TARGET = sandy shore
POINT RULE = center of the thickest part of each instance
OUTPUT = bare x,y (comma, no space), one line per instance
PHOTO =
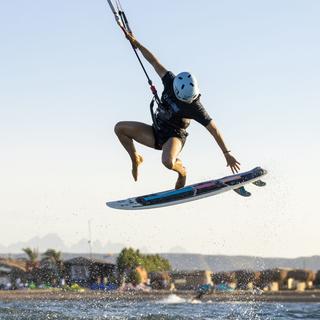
57,294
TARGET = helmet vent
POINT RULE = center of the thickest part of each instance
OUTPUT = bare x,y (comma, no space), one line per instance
180,78
182,87
191,84
189,75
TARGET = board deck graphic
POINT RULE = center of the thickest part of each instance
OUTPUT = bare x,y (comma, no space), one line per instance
193,192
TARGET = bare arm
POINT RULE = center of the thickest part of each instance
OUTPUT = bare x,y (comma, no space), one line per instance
158,67
212,128
231,161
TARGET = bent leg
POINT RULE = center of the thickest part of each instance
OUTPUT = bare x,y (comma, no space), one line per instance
171,150
127,131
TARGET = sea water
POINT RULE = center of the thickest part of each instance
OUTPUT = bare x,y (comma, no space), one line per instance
170,308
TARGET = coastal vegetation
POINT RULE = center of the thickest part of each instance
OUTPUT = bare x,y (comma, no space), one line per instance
133,270
46,268
33,256
130,259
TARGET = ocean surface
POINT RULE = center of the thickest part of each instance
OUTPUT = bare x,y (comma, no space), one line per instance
170,308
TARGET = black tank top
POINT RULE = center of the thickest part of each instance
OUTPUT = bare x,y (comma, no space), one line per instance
175,113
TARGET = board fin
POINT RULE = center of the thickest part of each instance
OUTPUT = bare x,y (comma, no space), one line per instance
259,183
242,192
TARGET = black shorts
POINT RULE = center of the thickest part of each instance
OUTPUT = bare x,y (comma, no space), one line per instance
163,134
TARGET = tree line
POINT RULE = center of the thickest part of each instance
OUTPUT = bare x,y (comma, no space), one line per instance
126,264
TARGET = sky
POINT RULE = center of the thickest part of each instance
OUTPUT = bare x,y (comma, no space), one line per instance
67,76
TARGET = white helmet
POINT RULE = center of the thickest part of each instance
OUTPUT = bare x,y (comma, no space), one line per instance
185,87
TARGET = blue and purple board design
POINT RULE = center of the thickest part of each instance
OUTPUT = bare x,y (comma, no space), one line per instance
192,192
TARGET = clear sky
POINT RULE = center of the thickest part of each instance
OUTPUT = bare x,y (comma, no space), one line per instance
67,76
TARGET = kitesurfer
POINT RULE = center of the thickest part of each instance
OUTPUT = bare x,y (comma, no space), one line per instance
180,102
203,290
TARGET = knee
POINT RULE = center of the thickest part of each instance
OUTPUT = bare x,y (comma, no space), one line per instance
118,128
168,162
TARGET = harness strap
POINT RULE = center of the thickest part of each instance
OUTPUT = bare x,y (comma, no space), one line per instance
153,116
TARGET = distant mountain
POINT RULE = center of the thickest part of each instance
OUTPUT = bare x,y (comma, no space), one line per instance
42,243
54,241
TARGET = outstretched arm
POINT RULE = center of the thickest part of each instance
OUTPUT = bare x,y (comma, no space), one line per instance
158,67
231,161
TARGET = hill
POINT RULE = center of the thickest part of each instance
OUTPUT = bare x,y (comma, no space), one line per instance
228,263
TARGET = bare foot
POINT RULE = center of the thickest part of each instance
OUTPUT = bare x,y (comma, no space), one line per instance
182,178
135,164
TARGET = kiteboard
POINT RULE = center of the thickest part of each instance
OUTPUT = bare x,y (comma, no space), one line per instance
193,192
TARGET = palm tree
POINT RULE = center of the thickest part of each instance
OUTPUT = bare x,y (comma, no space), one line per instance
54,258
33,255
